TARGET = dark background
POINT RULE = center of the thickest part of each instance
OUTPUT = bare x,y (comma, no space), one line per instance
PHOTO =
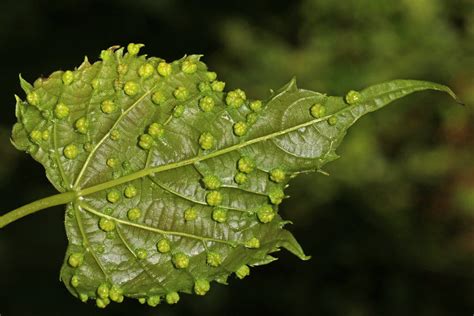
390,231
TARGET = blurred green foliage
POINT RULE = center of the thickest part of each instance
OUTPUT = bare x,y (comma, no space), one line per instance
390,230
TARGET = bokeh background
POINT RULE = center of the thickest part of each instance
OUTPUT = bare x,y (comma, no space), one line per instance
390,230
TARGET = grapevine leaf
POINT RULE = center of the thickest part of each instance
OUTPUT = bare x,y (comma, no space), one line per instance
177,183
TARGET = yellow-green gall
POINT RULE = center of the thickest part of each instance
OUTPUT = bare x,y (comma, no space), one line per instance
145,141
214,259
82,125
75,259
115,135
201,286
178,110
164,69
189,67
130,191
240,128
251,118
146,70
70,151
134,214
211,75
181,93
256,105
153,301
163,246
142,300
265,214
102,302
107,225
103,291
332,120
158,98
206,141
180,260
134,49
116,294
235,98
75,281
214,198
33,98
317,110
252,243
156,130
61,111
142,254
242,272
108,106
277,175
172,298
113,196
68,77
211,182
190,214
219,214
218,86
240,178
204,87
131,88
245,165
45,135
112,163
353,97
83,297
106,55
36,136
276,195
206,104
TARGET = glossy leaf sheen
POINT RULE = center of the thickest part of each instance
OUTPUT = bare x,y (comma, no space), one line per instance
98,151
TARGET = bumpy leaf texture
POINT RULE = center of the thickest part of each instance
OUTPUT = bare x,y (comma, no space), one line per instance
178,182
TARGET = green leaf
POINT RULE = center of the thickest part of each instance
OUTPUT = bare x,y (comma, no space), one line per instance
174,182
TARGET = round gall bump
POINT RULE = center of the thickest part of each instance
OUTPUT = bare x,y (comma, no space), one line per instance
108,106
353,97
204,87
156,130
142,254
235,98
214,259
256,105
332,120
211,76
134,49
240,178
75,281
252,243
116,294
265,214
153,301
102,302
251,118
113,196
145,142
276,195
70,151
122,69
82,125
103,291
158,98
180,260
211,182
206,104
68,77
178,110
201,286
83,297
277,175
33,98
61,111
134,214
181,93
164,69
219,214
189,67
172,298
131,88
130,191
115,135
107,225
112,162
45,135
318,110
242,272
36,136
190,214
240,128
142,300
163,246
218,86
206,141
146,70
245,165
75,259
214,198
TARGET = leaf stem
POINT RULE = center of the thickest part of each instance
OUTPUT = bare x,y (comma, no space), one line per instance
36,206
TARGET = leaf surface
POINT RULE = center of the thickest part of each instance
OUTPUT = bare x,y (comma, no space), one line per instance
178,182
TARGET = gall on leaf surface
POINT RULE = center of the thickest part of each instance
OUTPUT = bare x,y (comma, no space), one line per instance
111,133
